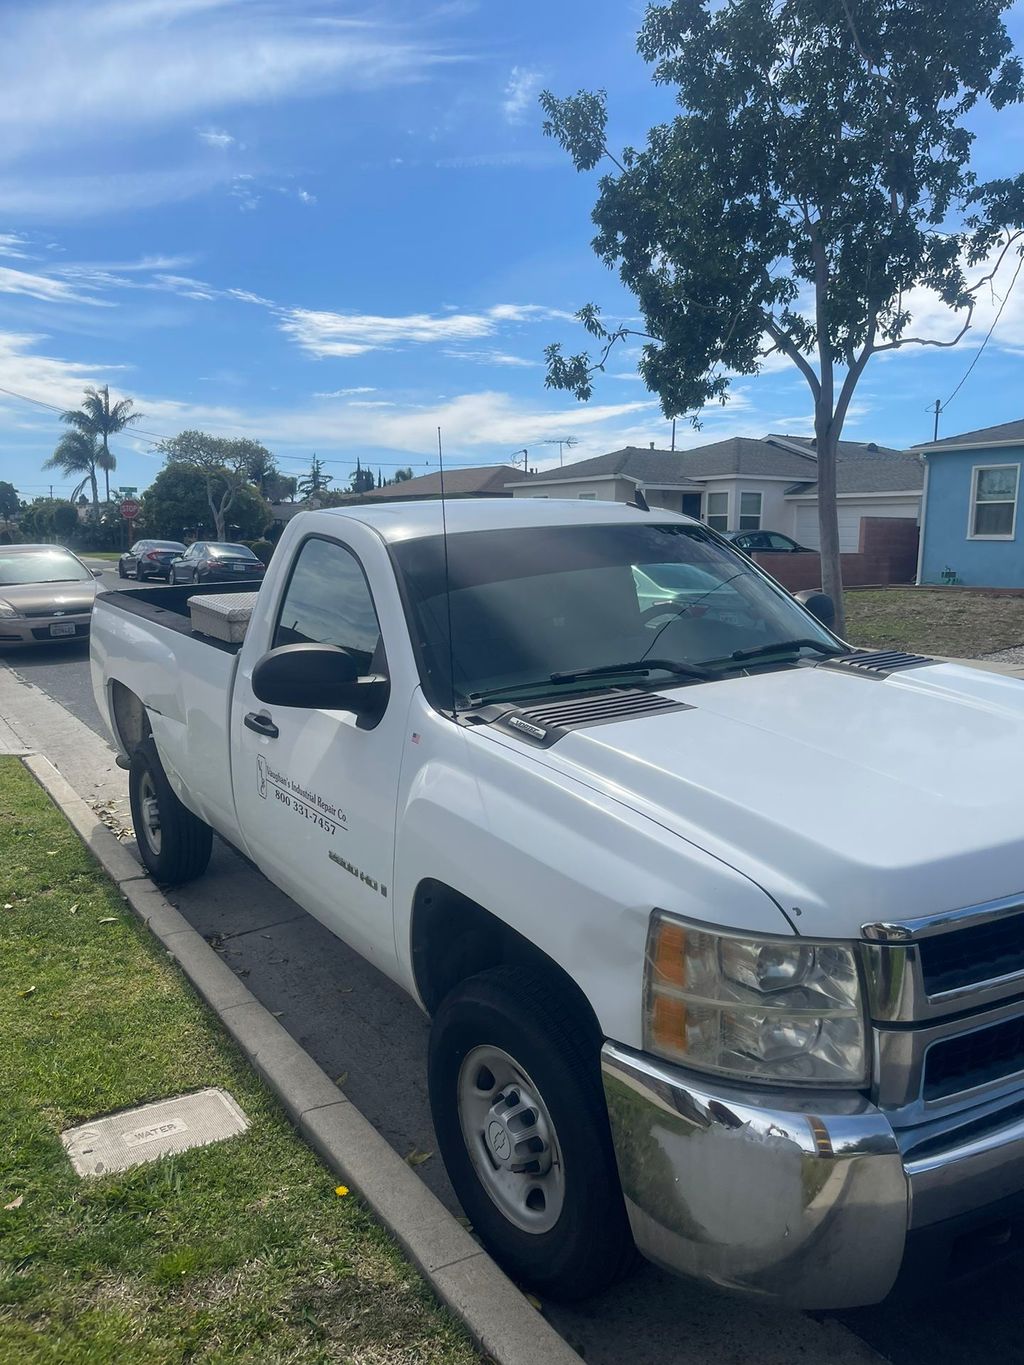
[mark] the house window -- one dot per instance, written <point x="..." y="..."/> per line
<point x="750" y="511"/>
<point x="994" y="501"/>
<point x="718" y="511"/>
<point x="587" y="497"/>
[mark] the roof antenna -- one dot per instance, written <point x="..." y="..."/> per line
<point x="639" y="501"/>
<point x="447" y="579"/>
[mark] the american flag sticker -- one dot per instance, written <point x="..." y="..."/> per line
<point x="415" y="737"/>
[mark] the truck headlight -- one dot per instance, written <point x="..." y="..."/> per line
<point x="759" y="1009"/>
<point x="6" y="610"/>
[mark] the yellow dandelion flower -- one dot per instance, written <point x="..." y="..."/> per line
<point x="341" y="1191"/>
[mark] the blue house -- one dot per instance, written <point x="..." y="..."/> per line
<point x="972" y="530"/>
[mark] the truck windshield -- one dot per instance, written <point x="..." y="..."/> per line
<point x="530" y="603"/>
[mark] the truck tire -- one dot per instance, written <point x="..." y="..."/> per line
<point x="175" y="845"/>
<point x="520" y="1118"/>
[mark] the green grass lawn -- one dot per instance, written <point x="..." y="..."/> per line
<point x="238" y="1252"/>
<point x="112" y="555"/>
<point x="963" y="624"/>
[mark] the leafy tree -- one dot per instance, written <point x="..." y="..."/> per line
<point x="316" y="481"/>
<point x="403" y="475"/>
<point x="102" y="419"/>
<point x="260" y="467"/>
<point x="77" y="452"/>
<point x="39" y="520"/>
<point x="222" y="466"/>
<point x="176" y="501"/>
<point x="65" y="520"/>
<point x="362" y="480"/>
<point x="280" y="488"/>
<point x="818" y="171"/>
<point x="9" y="502"/>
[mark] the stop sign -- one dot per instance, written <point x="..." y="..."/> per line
<point x="130" y="509"/>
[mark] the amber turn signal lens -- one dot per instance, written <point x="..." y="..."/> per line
<point x="668" y="1023"/>
<point x="669" y="954"/>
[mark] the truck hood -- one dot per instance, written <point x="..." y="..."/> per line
<point x="847" y="798"/>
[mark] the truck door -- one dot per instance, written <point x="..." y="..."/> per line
<point x="315" y="791"/>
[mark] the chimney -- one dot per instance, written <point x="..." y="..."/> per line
<point x="652" y="445"/>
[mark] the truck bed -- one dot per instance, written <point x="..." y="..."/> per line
<point x="168" y="606"/>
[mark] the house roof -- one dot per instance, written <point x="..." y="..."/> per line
<point x="478" y="481"/>
<point x="862" y="468"/>
<point x="1005" y="431"/>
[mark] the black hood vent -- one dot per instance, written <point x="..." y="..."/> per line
<point x="546" y="722"/>
<point x="880" y="663"/>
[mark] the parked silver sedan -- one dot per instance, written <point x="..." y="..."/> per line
<point x="46" y="595"/>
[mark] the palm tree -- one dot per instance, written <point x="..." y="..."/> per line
<point x="102" y="419"/>
<point x="78" y="453"/>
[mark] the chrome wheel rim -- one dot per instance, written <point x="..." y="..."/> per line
<point x="511" y="1139"/>
<point x="149" y="806"/>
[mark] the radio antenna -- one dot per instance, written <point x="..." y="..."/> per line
<point x="447" y="578"/>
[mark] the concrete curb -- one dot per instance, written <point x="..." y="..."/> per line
<point x="466" y="1280"/>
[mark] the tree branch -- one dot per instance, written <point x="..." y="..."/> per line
<point x="786" y="345"/>
<point x="929" y="341"/>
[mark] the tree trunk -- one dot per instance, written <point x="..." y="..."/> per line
<point x="826" y="442"/>
<point x="106" y="465"/>
<point x="95" y="495"/>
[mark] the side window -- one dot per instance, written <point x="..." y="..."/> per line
<point x="328" y="602"/>
<point x="717" y="515"/>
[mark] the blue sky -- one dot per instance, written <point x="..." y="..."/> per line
<point x="333" y="227"/>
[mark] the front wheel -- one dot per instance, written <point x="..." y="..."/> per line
<point x="175" y="844"/>
<point x="519" y="1112"/>
<point x="121" y="570"/>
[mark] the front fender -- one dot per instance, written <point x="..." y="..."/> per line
<point x="573" y="871"/>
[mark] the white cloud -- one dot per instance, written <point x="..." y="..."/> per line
<point x="520" y="92"/>
<point x="322" y="333"/>
<point x="216" y="137"/>
<point x="304" y="196"/>
<point x="191" y="57"/>
<point x="491" y="358"/>
<point x="344" y="393"/>
<point x="13" y="244"/>
<point x="43" y="287"/>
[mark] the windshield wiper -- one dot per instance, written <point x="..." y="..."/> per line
<point x="682" y="670"/>
<point x="739" y="656"/>
<point x="634" y="666"/>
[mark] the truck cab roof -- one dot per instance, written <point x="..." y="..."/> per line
<point x="395" y="521"/>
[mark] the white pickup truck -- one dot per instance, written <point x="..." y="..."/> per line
<point x="720" y="923"/>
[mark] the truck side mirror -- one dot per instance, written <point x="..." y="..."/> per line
<point x="819" y="604"/>
<point x="318" y="677"/>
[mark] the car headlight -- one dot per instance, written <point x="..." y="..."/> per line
<point x="6" y="610"/>
<point x="758" y="1009"/>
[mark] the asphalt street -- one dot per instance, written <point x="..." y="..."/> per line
<point x="368" y="1035"/>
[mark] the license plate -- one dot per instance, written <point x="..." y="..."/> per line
<point x="62" y="628"/>
<point x="238" y="568"/>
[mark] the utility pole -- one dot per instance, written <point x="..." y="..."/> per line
<point x="673" y="433"/>
<point x="514" y="457"/>
<point x="937" y="409"/>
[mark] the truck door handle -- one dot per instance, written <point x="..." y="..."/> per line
<point x="262" y="724"/>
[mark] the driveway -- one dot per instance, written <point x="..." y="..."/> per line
<point x="362" y="1030"/>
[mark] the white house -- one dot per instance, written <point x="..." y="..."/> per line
<point x="747" y="484"/>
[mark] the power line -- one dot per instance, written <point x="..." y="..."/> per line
<point x="939" y="408"/>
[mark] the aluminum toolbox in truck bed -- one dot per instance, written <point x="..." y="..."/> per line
<point x="224" y="616"/>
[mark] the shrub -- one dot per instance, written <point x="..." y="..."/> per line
<point x="262" y="549"/>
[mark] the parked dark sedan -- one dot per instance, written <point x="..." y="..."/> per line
<point x="149" y="559"/>
<point x="767" y="542"/>
<point x="210" y="561"/>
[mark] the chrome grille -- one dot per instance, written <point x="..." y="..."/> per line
<point x="973" y="955"/>
<point x="974" y="1059"/>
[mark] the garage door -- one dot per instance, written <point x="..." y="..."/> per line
<point x="850" y="514"/>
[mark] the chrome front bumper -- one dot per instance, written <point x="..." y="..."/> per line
<point x="809" y="1202"/>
